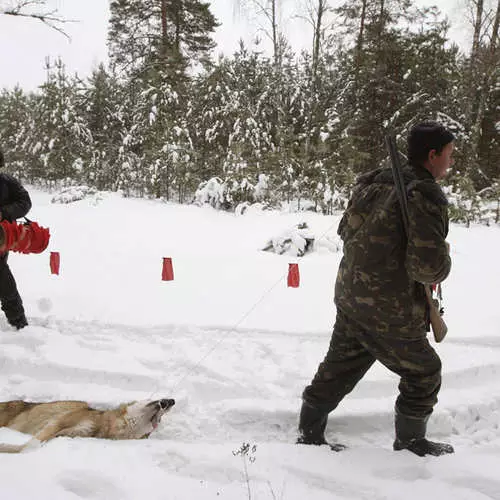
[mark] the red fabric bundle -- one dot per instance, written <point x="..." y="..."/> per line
<point x="24" y="238"/>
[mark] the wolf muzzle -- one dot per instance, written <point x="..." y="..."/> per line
<point x="164" y="404"/>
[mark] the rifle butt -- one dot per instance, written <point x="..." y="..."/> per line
<point x="438" y="326"/>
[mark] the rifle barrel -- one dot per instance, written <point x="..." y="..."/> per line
<point x="398" y="180"/>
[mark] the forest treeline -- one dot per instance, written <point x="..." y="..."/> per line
<point x="166" y="116"/>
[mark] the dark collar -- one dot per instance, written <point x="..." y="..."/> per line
<point x="421" y="172"/>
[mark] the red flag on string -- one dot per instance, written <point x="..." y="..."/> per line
<point x="55" y="260"/>
<point x="168" y="271"/>
<point x="293" y="275"/>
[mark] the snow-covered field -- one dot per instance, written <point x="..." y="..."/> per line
<point x="235" y="347"/>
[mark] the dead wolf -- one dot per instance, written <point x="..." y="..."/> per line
<point x="45" y="421"/>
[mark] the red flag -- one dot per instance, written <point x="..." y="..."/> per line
<point x="54" y="262"/>
<point x="168" y="272"/>
<point x="293" y="275"/>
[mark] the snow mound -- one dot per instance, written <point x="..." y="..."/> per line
<point x="296" y="241"/>
<point x="246" y="208"/>
<point x="75" y="193"/>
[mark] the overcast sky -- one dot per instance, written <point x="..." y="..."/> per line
<point x="25" y="43"/>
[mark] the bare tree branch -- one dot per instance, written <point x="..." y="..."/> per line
<point x="37" y="9"/>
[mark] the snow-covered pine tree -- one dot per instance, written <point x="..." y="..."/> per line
<point x="211" y="117"/>
<point x="250" y="142"/>
<point x="59" y="142"/>
<point x="236" y="119"/>
<point x="103" y="106"/>
<point x="481" y="90"/>
<point x="156" y="144"/>
<point x="167" y="36"/>
<point x="155" y="44"/>
<point x="397" y="69"/>
<point x="16" y="123"/>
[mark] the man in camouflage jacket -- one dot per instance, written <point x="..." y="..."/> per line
<point x="382" y="311"/>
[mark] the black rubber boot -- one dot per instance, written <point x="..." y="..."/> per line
<point x="20" y="323"/>
<point x="410" y="435"/>
<point x="312" y="425"/>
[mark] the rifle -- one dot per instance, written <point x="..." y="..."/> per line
<point x="439" y="328"/>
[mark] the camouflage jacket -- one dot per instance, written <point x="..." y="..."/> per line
<point x="379" y="282"/>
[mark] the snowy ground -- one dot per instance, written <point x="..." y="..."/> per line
<point x="234" y="346"/>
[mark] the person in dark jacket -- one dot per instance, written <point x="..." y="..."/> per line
<point x="15" y="202"/>
<point x="382" y="311"/>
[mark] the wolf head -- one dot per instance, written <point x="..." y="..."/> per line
<point x="140" y="418"/>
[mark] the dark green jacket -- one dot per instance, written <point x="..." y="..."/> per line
<point x="380" y="275"/>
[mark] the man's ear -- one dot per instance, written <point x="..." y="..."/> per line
<point x="432" y="154"/>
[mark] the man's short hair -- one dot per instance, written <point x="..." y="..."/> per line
<point x="423" y="138"/>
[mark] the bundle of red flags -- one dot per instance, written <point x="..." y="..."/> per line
<point x="26" y="237"/>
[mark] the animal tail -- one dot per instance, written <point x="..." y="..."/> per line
<point x="11" y="448"/>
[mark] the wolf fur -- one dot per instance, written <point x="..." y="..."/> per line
<point x="45" y="421"/>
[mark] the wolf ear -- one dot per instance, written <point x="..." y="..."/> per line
<point x="122" y="408"/>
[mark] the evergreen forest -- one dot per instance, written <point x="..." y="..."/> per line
<point x="168" y="116"/>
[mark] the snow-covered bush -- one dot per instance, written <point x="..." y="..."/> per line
<point x="295" y="241"/>
<point x="247" y="208"/>
<point x="211" y="193"/>
<point x="242" y="208"/>
<point x="74" y="193"/>
<point x="261" y="189"/>
<point x="490" y="197"/>
<point x="232" y="193"/>
<point x="466" y="205"/>
<point x="238" y="191"/>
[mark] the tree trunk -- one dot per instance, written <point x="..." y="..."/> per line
<point x="496" y="27"/>
<point x="478" y="21"/>
<point x="381" y="20"/>
<point x="274" y="27"/>
<point x="360" y="39"/>
<point x="164" y="37"/>
<point x="318" y="25"/>
<point x="475" y="64"/>
<point x="489" y="67"/>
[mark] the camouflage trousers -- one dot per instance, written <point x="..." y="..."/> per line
<point x="352" y="352"/>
